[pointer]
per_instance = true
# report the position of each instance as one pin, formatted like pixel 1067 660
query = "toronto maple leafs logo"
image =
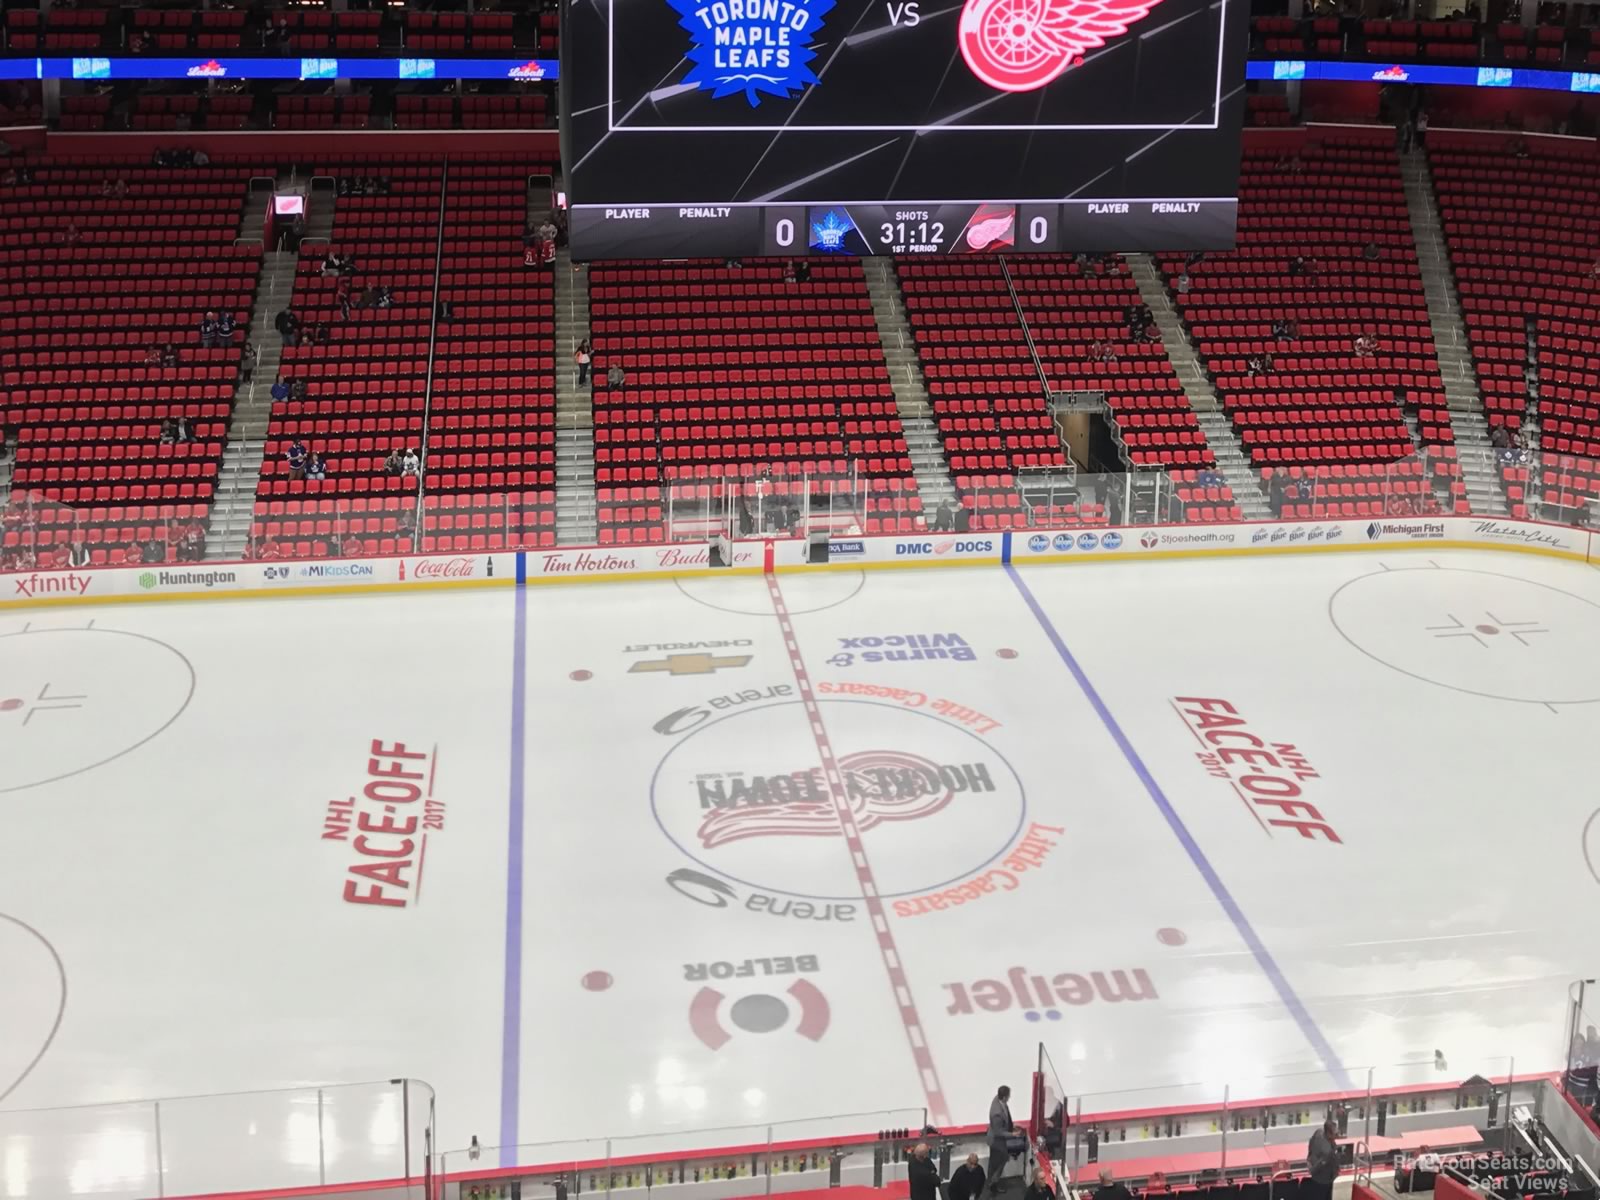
pixel 829 231
pixel 758 47
pixel 1021 45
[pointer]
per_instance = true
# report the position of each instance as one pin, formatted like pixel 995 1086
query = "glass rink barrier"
pixel 848 1149
pixel 333 527
pixel 324 518
pixel 204 1145
pixel 432 523
pixel 379 1138
pixel 1258 1127
pixel 1548 485
pixel 1581 1072
pixel 840 503
pixel 40 533
pixel 844 504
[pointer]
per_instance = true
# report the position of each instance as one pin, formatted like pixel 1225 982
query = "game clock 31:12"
pixel 910 229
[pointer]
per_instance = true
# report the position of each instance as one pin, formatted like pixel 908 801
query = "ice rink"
pixel 602 860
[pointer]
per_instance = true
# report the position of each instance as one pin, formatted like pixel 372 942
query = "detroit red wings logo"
pixel 880 785
pixel 1021 45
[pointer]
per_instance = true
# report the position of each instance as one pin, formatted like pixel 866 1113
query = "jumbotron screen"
pixel 786 127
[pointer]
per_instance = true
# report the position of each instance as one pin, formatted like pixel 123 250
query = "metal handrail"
pixel 433 337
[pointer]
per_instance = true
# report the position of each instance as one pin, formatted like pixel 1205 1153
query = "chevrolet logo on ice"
pixel 690 664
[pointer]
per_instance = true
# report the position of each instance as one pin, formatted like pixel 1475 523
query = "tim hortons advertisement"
pixel 596 562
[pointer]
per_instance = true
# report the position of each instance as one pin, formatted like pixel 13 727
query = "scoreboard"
pixel 953 227
pixel 784 127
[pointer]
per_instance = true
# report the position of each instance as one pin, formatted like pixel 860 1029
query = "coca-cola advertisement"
pixel 464 566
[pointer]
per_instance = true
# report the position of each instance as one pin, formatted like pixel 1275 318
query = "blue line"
pixel 511 1028
pixel 1263 957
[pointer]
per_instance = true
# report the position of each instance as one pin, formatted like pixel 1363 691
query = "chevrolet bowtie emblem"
pixel 690 664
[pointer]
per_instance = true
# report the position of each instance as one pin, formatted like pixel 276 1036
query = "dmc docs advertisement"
pixel 940 549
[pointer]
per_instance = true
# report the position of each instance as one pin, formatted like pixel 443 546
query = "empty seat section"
pixel 107 260
pixel 1518 213
pixel 364 372
pixel 1325 249
pixel 989 399
pixel 733 374
pixel 492 434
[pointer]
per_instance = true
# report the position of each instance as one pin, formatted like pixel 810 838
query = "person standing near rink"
pixel 1001 1131
pixel 1322 1158
pixel 922 1174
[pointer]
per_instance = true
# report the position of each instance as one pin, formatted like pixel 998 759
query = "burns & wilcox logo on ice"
pixel 752 47
pixel 903 647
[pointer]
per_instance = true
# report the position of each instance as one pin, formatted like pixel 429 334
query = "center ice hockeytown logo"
pixel 757 47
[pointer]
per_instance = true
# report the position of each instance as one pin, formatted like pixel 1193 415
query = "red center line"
pixel 938 1109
